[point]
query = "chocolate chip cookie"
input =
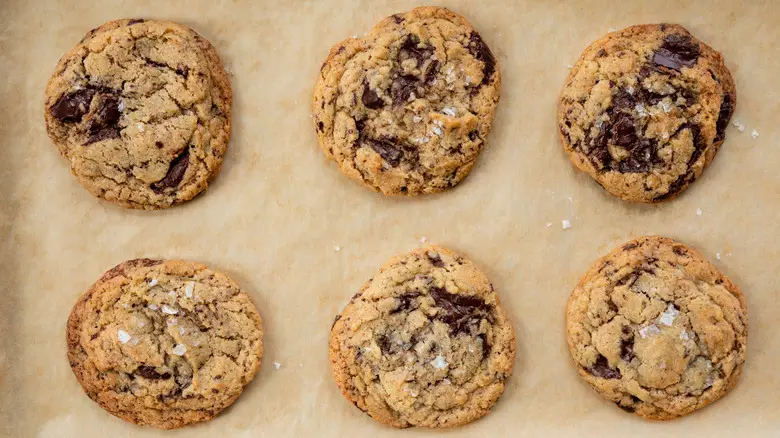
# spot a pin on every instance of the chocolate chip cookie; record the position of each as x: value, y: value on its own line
x: 645, y: 110
x: 424, y: 343
x: 406, y: 108
x: 141, y: 110
x: 164, y: 343
x: 656, y: 329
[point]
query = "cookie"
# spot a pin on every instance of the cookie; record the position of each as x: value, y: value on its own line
x: 645, y: 110
x: 406, y: 108
x: 164, y: 343
x: 657, y: 330
x: 141, y: 110
x: 424, y: 343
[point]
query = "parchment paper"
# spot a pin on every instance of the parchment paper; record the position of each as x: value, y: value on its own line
x: 275, y: 214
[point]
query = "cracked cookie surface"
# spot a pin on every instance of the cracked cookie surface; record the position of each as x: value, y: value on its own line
x: 141, y: 110
x: 645, y: 110
x: 424, y: 343
x: 406, y: 108
x: 164, y: 343
x: 656, y: 329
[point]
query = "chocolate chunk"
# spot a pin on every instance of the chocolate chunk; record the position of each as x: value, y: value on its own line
x: 627, y: 349
x: 175, y: 173
x: 724, y: 115
x: 431, y: 70
x: 406, y: 302
x: 370, y: 99
x: 601, y: 369
x: 135, y: 21
x: 103, y: 134
x: 383, y: 341
x: 612, y: 306
x: 482, y: 52
x: 486, y: 347
x: 183, y: 70
x: 71, y: 107
x: 398, y: 18
x: 623, y: 101
x: 629, y: 409
x: 151, y: 373
x: 103, y: 124
x: 402, y: 88
x: 679, y: 250
x: 473, y: 135
x: 410, y: 49
x: 320, y: 126
x: 677, y: 51
x: 623, y: 131
x: 642, y: 154
x: 387, y: 149
x: 598, y: 147
x: 435, y: 259
x: 458, y: 311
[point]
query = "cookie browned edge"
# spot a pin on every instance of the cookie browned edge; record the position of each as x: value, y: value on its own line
x: 221, y: 94
x: 342, y: 52
x: 683, y: 251
x: 342, y: 377
x: 77, y: 355
x: 722, y: 76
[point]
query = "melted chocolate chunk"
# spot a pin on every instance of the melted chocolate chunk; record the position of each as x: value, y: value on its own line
x: 151, y: 373
x: 387, y: 149
x: 430, y: 72
x: 402, y: 88
x: 482, y: 52
x: 175, y: 173
x: 724, y: 115
x: 677, y: 51
x: 435, y: 259
x: 628, y: 409
x: 458, y: 311
x: 410, y: 49
x: 370, y: 99
x: 623, y: 131
x: 627, y: 349
x: 71, y: 107
x: 183, y: 70
x: 598, y: 148
x: 623, y: 101
x: 406, y: 302
x: 642, y: 155
x: 383, y: 341
x: 601, y: 369
x: 104, y: 123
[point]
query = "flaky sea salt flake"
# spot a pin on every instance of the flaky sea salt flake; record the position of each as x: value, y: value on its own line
x: 439, y: 363
x: 189, y: 288
x: 141, y: 127
x: 337, y: 248
x: 169, y: 310
x: 449, y: 111
x: 754, y: 134
x: 153, y: 306
x: 651, y: 329
x: 277, y: 365
x: 565, y: 224
x: 122, y: 336
x: 179, y: 349
x: 698, y: 212
x: 423, y: 239
x: 667, y: 318
x: 153, y: 282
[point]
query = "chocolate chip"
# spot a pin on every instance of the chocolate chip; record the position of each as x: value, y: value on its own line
x: 320, y: 126
x: 403, y: 87
x: 387, y: 149
x: 677, y: 51
x: 135, y: 21
x: 598, y: 147
x: 435, y: 259
x: 724, y: 115
x: 371, y: 99
x: 175, y: 173
x: 601, y: 369
x: 71, y: 107
x: 159, y: 144
x: 431, y: 71
x: 410, y: 49
x: 103, y: 134
x: 482, y: 52
x: 623, y: 131
x: 473, y: 135
x: 627, y: 349
x: 458, y: 311
x: 183, y: 70
x: 149, y: 372
x: 406, y: 302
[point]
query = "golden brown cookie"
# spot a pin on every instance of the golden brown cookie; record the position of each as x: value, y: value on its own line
x: 406, y: 108
x: 645, y: 110
x: 656, y: 329
x: 164, y: 343
x: 141, y: 110
x: 424, y: 343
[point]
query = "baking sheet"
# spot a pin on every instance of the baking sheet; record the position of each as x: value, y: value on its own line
x: 275, y: 214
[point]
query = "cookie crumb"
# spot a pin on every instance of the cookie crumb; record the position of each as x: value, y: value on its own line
x: 153, y: 282
x: 179, y: 349
x: 565, y: 224
x: 754, y: 134
x: 439, y: 363
x: 189, y: 288
x: 277, y: 365
x: 423, y: 239
x: 122, y: 336
x: 698, y: 212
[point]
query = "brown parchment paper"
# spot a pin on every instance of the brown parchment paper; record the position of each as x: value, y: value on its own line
x: 274, y: 216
